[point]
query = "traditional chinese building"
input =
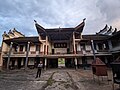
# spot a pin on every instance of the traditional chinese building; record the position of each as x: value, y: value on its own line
x: 115, y: 43
x: 56, y: 47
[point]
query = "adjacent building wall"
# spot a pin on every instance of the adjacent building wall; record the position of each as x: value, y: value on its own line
x: 0, y: 61
x: 5, y: 47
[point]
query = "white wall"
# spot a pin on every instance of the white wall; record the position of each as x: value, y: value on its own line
x: 5, y: 47
x: 60, y: 50
x: 32, y: 47
x: 88, y: 47
x: 78, y: 47
x: 1, y: 62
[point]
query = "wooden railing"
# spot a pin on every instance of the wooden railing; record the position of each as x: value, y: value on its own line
x: 21, y: 52
x: 42, y: 53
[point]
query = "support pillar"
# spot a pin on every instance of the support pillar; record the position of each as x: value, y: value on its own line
x: 43, y: 51
x: 1, y: 61
x: 106, y: 61
x: 110, y: 44
x: 46, y: 49
x: 26, y: 61
x: 93, y: 49
x: 74, y: 49
x: 80, y: 36
x: 9, y: 54
x: 76, y: 63
x: 46, y: 44
x: 45, y: 64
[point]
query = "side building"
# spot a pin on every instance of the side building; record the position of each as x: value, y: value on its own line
x: 0, y: 59
x: 52, y: 46
x: 115, y: 43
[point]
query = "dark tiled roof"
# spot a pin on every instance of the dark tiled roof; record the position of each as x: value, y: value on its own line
x: 59, y: 33
x: 14, y: 30
x: 23, y: 40
x: 115, y: 35
x: 103, y: 30
x: 95, y: 37
x: 35, y: 39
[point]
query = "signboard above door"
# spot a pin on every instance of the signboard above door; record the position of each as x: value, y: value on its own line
x: 60, y: 45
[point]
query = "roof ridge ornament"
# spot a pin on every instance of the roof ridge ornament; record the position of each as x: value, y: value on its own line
x: 35, y: 21
x: 84, y: 19
x: 41, y: 29
x: 80, y: 26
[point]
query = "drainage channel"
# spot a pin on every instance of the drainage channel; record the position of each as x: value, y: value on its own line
x: 60, y: 80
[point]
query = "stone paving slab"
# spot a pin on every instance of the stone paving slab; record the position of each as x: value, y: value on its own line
x: 54, y: 79
x: 61, y: 76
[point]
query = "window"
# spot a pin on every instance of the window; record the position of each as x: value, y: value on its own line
x: 100, y: 46
x: 16, y: 48
x: 37, y: 47
x: 25, y: 47
x: 82, y: 46
x: 21, y: 47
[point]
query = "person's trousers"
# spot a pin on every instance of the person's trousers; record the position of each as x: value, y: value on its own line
x: 38, y: 73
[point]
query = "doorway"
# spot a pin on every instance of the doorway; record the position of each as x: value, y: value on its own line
x: 19, y: 62
x: 52, y: 63
x: 69, y: 63
x: 61, y: 62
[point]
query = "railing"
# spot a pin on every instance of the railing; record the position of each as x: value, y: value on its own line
x: 102, y: 51
x: 115, y: 48
x: 5, y: 53
x: 19, y: 52
x: 34, y: 53
x: 79, y: 52
x: 14, y: 54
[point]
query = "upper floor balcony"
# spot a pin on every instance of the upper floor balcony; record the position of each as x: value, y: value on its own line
x: 115, y: 49
x: 42, y: 54
x: 21, y: 54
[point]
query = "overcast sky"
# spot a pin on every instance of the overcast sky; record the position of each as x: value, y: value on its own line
x: 20, y: 14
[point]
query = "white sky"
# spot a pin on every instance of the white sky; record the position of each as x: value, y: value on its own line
x: 20, y: 14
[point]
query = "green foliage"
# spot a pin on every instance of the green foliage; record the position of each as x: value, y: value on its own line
x: 50, y: 81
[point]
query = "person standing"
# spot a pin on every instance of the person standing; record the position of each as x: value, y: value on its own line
x: 40, y: 66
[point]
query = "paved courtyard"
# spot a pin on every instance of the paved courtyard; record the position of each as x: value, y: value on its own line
x: 54, y: 79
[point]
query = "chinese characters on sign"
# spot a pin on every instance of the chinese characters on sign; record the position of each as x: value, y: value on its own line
x: 60, y: 45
